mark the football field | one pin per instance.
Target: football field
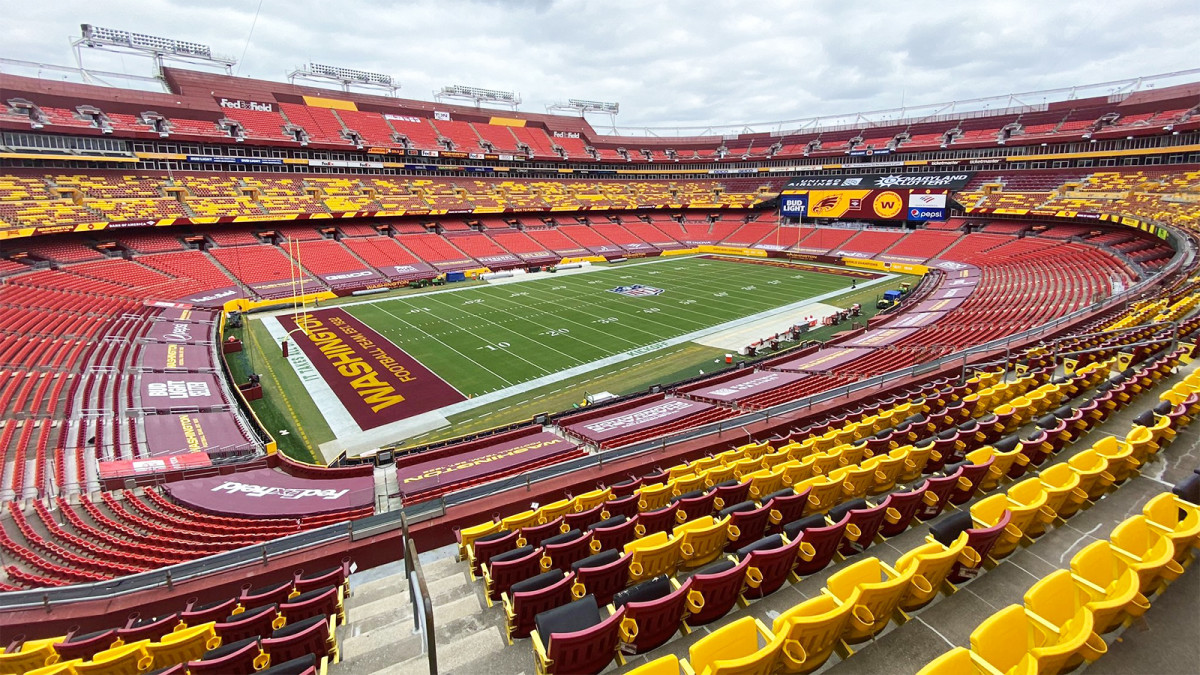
(491, 337)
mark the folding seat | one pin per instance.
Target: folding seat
(1161, 428)
(970, 478)
(1030, 496)
(1035, 448)
(526, 599)
(747, 522)
(534, 535)
(1060, 605)
(853, 455)
(265, 595)
(715, 589)
(772, 560)
(183, 645)
(931, 564)
(1002, 460)
(575, 639)
(653, 555)
(1092, 469)
(127, 658)
(824, 493)
(701, 540)
(820, 541)
(813, 630)
(32, 654)
(621, 506)
(1121, 462)
(561, 551)
(666, 665)
(916, 459)
(721, 475)
(80, 646)
(333, 576)
(310, 636)
(938, 490)
(705, 464)
(979, 539)
(863, 524)
(625, 488)
(1177, 519)
(614, 532)
(510, 567)
(729, 492)
(873, 588)
(945, 447)
(590, 500)
(1149, 552)
(317, 602)
(735, 649)
(649, 522)
(482, 549)
(692, 505)
(989, 511)
(520, 520)
(856, 480)
(824, 462)
(687, 483)
(197, 612)
(755, 450)
(304, 665)
(580, 520)
(785, 506)
(1063, 493)
(467, 535)
(601, 575)
(764, 482)
(960, 661)
(555, 510)
(250, 623)
(1012, 641)
(152, 628)
(655, 610)
(1141, 440)
(1111, 585)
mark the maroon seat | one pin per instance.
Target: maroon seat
(239, 657)
(535, 534)
(862, 527)
(265, 595)
(785, 506)
(719, 585)
(510, 567)
(771, 559)
(822, 539)
(181, 669)
(601, 575)
(730, 492)
(254, 623)
(980, 540)
(151, 628)
(750, 521)
(654, 611)
(203, 613)
(526, 599)
(693, 505)
(969, 479)
(662, 520)
(317, 602)
(304, 665)
(937, 494)
(575, 639)
(568, 548)
(581, 519)
(310, 636)
(899, 508)
(613, 533)
(626, 487)
(333, 576)
(625, 506)
(85, 645)
(487, 546)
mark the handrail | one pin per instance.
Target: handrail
(419, 593)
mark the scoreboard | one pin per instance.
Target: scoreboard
(896, 204)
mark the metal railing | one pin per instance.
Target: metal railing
(418, 592)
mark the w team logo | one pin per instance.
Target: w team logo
(636, 290)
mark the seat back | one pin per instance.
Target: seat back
(252, 623)
(769, 568)
(899, 510)
(969, 479)
(654, 496)
(786, 507)
(128, 659)
(649, 522)
(1112, 586)
(861, 528)
(579, 520)
(602, 581)
(480, 551)
(562, 555)
(694, 507)
(727, 495)
(240, 657)
(525, 606)
(812, 630)
(502, 574)
(318, 602)
(875, 590)
(74, 647)
(590, 500)
(733, 650)
(183, 645)
(585, 651)
(718, 587)
(33, 654)
(1092, 468)
(1003, 640)
(1150, 553)
(1064, 495)
(203, 613)
(1177, 519)
(930, 564)
(981, 540)
(535, 534)
(652, 555)
(555, 510)
(615, 536)
(820, 544)
(310, 636)
(702, 540)
(468, 535)
(649, 624)
(747, 526)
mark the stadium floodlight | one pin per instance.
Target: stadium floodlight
(479, 96)
(584, 106)
(158, 48)
(346, 77)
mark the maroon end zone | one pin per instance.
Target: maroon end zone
(638, 419)
(499, 459)
(378, 382)
(748, 385)
(266, 493)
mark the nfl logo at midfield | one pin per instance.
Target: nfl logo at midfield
(636, 290)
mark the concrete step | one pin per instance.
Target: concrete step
(379, 614)
(380, 649)
(482, 648)
(394, 588)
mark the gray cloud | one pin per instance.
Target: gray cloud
(669, 63)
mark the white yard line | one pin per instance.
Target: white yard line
(431, 336)
(340, 421)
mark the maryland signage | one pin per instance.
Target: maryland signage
(881, 181)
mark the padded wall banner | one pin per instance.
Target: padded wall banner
(496, 458)
(266, 493)
(881, 181)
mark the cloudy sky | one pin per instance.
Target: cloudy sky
(668, 63)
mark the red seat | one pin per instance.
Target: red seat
(274, 594)
(747, 523)
(937, 494)
(601, 575)
(970, 477)
(624, 506)
(654, 611)
(822, 539)
(719, 585)
(239, 657)
(334, 576)
(626, 488)
(580, 520)
(510, 567)
(575, 639)
(310, 636)
(83, 646)
(863, 525)
(729, 493)
(147, 629)
(900, 507)
(615, 535)
(213, 611)
(662, 520)
(535, 534)
(486, 547)
(693, 507)
(785, 506)
(526, 599)
(567, 548)
(979, 540)
(317, 602)
(771, 559)
(250, 623)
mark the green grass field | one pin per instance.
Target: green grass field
(485, 337)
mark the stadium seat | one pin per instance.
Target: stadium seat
(565, 549)
(323, 602)
(241, 657)
(655, 610)
(787, 505)
(1092, 468)
(813, 630)
(183, 645)
(250, 623)
(821, 541)
(901, 506)
(32, 654)
(701, 540)
(621, 506)
(481, 550)
(601, 575)
(1057, 602)
(863, 524)
(666, 665)
(735, 649)
(83, 646)
(1121, 462)
(960, 661)
(1111, 584)
(729, 492)
(747, 522)
(719, 585)
(310, 636)
(574, 638)
(653, 555)
(771, 561)
(1178, 520)
(1014, 642)
(874, 590)
(510, 567)
(526, 599)
(930, 565)
(1147, 551)
(132, 657)
(649, 522)
(1064, 494)
(534, 535)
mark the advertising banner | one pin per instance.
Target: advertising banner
(213, 433)
(501, 457)
(749, 385)
(180, 332)
(137, 467)
(171, 356)
(266, 493)
(644, 417)
(164, 391)
(793, 206)
(880, 181)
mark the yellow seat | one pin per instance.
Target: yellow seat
(702, 540)
(824, 493)
(735, 649)
(1012, 641)
(128, 659)
(33, 654)
(667, 665)
(1003, 461)
(1162, 433)
(1028, 496)
(746, 466)
(186, 644)
(854, 454)
(764, 482)
(874, 590)
(929, 564)
(1060, 606)
(652, 555)
(1063, 492)
(1121, 462)
(687, 483)
(1094, 478)
(590, 500)
(1111, 584)
(755, 450)
(1176, 518)
(915, 460)
(60, 668)
(680, 470)
(468, 535)
(887, 471)
(555, 510)
(855, 480)
(989, 511)
(794, 471)
(774, 459)
(812, 630)
(826, 461)
(719, 474)
(959, 661)
(519, 520)
(1149, 552)
(1141, 440)
(705, 464)
(654, 496)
